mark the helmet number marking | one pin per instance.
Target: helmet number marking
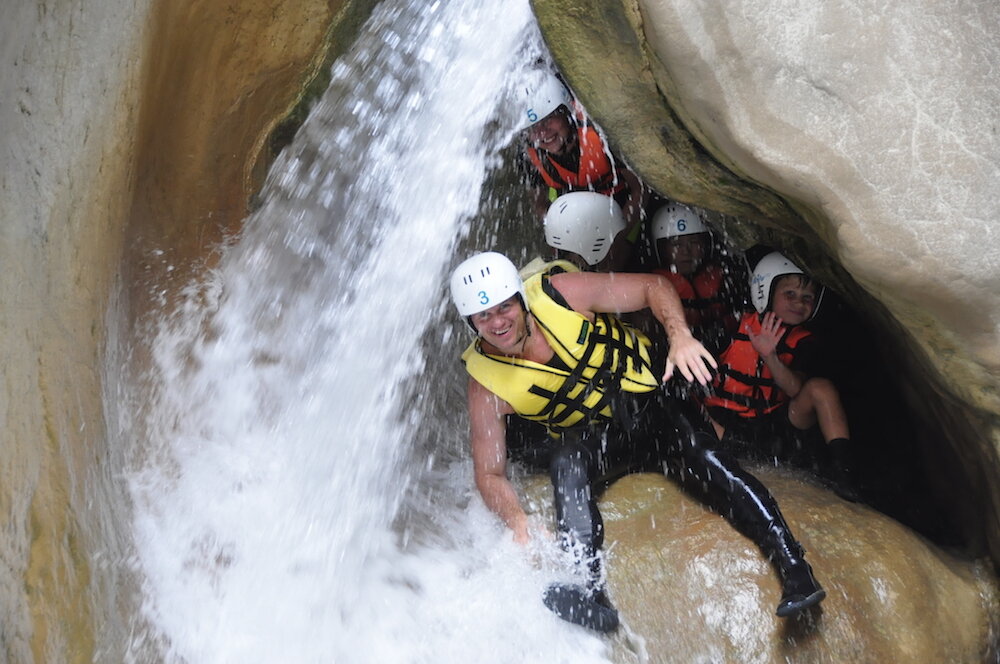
(682, 225)
(532, 115)
(483, 297)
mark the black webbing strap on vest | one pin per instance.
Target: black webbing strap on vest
(545, 161)
(606, 378)
(757, 401)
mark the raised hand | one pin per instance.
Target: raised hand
(771, 331)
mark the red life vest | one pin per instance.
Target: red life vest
(596, 172)
(744, 385)
(701, 296)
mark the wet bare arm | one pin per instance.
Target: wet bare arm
(591, 293)
(489, 458)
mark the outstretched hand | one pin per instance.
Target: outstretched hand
(771, 331)
(691, 358)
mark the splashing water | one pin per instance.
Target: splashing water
(281, 453)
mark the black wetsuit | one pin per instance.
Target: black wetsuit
(650, 433)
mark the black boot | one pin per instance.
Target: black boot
(799, 588)
(581, 606)
(752, 510)
(586, 605)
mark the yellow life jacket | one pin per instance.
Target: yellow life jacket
(539, 264)
(599, 359)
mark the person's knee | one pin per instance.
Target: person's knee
(821, 390)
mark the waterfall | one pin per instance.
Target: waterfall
(301, 486)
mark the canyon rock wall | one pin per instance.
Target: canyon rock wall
(862, 141)
(135, 133)
(133, 136)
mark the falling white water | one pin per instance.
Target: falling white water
(297, 496)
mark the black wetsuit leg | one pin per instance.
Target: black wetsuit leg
(573, 470)
(690, 455)
(719, 480)
(583, 464)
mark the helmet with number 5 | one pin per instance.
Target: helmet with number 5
(771, 267)
(484, 281)
(539, 97)
(585, 223)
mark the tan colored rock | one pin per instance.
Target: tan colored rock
(877, 119)
(128, 127)
(871, 127)
(690, 588)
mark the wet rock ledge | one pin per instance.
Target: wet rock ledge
(134, 134)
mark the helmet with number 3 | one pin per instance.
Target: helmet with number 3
(540, 97)
(484, 281)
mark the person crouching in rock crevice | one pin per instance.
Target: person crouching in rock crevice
(765, 386)
(549, 350)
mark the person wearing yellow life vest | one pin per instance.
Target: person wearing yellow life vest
(565, 153)
(763, 383)
(550, 349)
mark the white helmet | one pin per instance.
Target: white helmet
(769, 268)
(484, 281)
(674, 219)
(540, 97)
(585, 223)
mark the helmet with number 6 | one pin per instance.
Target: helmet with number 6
(771, 267)
(484, 281)
(540, 97)
(585, 223)
(675, 219)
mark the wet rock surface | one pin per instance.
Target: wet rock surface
(859, 141)
(690, 588)
(133, 139)
(132, 130)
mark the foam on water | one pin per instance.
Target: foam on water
(281, 476)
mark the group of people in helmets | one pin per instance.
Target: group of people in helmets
(557, 344)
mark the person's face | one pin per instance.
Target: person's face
(503, 326)
(793, 303)
(684, 253)
(551, 133)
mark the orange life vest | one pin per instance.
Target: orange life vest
(744, 384)
(596, 172)
(701, 295)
